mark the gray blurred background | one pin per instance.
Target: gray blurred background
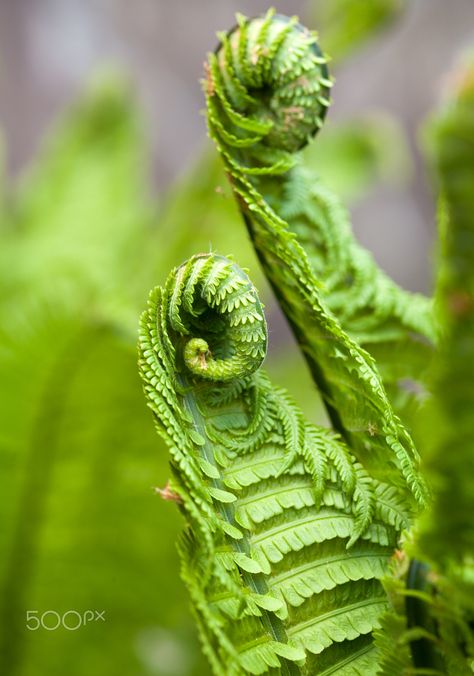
(49, 48)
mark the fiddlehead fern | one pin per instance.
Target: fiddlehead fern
(271, 80)
(262, 64)
(287, 536)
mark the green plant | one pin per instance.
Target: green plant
(81, 242)
(290, 526)
(77, 452)
(278, 509)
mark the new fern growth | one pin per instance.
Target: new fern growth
(290, 527)
(287, 535)
(267, 92)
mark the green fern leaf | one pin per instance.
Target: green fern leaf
(270, 74)
(285, 544)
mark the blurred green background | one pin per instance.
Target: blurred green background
(87, 226)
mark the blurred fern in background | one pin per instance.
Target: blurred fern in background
(78, 458)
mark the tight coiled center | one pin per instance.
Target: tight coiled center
(214, 307)
(269, 85)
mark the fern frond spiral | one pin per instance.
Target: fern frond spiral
(287, 535)
(223, 324)
(263, 63)
(270, 79)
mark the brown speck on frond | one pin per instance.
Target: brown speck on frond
(460, 303)
(240, 201)
(238, 197)
(291, 114)
(256, 52)
(301, 81)
(399, 555)
(372, 429)
(167, 494)
(202, 360)
(254, 55)
(209, 81)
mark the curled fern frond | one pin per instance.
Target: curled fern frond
(286, 540)
(262, 64)
(268, 92)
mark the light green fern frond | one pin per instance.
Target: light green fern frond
(77, 451)
(287, 535)
(267, 92)
(396, 327)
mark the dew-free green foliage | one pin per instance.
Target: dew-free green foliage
(446, 595)
(80, 245)
(347, 24)
(281, 59)
(290, 526)
(451, 453)
(80, 526)
(77, 455)
(287, 536)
